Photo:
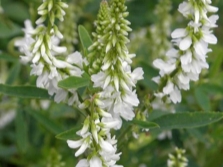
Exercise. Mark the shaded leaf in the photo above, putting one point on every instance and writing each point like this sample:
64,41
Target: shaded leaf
187,120
217,61
69,134
85,38
202,99
75,82
145,124
6,57
7,151
45,121
24,91
14,72
21,131
211,88
21,13
9,29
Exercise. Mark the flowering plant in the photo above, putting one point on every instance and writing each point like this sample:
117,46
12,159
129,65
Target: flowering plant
97,92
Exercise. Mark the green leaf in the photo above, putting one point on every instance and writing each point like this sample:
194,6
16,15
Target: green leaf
45,121
69,134
7,151
21,131
24,92
211,89
21,13
145,124
150,72
14,72
198,135
75,82
9,29
187,120
217,61
85,38
202,99
6,57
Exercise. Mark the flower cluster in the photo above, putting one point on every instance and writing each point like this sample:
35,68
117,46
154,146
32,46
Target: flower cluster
95,136
115,77
109,66
179,160
40,46
185,61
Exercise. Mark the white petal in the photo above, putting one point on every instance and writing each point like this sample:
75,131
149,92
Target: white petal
95,162
183,79
59,49
82,149
172,53
158,63
185,43
212,9
60,95
36,57
74,144
175,96
83,163
179,33
187,58
210,38
75,58
137,74
131,99
59,63
107,81
200,49
168,88
106,146
116,83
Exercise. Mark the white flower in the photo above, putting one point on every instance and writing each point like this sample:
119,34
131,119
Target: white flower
42,80
83,163
77,59
83,144
165,67
95,162
98,79
37,69
168,88
111,123
175,95
106,146
137,74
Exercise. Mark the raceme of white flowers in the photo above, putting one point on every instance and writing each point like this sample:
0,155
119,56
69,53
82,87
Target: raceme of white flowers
115,77
111,72
40,47
185,61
